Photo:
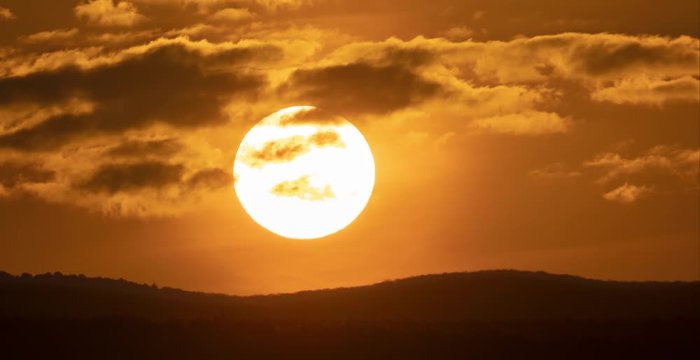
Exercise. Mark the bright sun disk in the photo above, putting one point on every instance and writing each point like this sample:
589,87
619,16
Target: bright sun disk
303,174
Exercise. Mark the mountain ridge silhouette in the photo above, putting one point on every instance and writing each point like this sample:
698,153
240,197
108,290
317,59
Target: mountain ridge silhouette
485,315
493,295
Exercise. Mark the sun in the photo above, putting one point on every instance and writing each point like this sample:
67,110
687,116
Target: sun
303,173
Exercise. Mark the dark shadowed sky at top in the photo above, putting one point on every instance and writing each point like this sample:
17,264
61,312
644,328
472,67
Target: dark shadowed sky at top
547,135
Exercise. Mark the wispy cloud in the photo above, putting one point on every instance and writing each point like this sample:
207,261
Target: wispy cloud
627,193
109,13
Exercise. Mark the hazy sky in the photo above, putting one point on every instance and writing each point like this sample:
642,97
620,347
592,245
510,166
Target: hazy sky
544,135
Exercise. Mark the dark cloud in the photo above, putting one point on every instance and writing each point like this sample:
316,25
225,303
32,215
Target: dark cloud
603,58
49,134
168,84
650,91
115,178
134,176
409,57
326,138
301,188
361,88
17,173
276,151
211,178
314,116
287,149
141,148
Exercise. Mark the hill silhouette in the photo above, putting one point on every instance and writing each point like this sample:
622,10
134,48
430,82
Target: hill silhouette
488,314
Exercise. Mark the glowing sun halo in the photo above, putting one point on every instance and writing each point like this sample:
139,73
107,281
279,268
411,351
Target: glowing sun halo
303,173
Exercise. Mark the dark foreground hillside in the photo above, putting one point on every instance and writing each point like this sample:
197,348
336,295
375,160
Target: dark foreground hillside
493,314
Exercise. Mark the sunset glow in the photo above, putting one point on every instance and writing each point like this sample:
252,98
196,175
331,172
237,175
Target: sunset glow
203,144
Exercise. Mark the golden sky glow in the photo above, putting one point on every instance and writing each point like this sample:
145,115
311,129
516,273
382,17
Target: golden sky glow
554,135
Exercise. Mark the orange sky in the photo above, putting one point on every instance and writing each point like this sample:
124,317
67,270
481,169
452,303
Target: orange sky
540,135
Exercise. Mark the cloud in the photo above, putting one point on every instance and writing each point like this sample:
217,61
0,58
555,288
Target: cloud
6,14
504,83
271,7
117,125
144,148
233,14
21,65
614,54
53,35
570,55
326,138
148,188
100,176
665,160
114,178
369,78
513,87
167,84
303,189
666,168
644,90
614,68
287,149
127,93
109,13
225,55
555,171
595,61
627,193
525,123
118,39
21,115
15,173
361,87
583,57
283,4
313,116
210,178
